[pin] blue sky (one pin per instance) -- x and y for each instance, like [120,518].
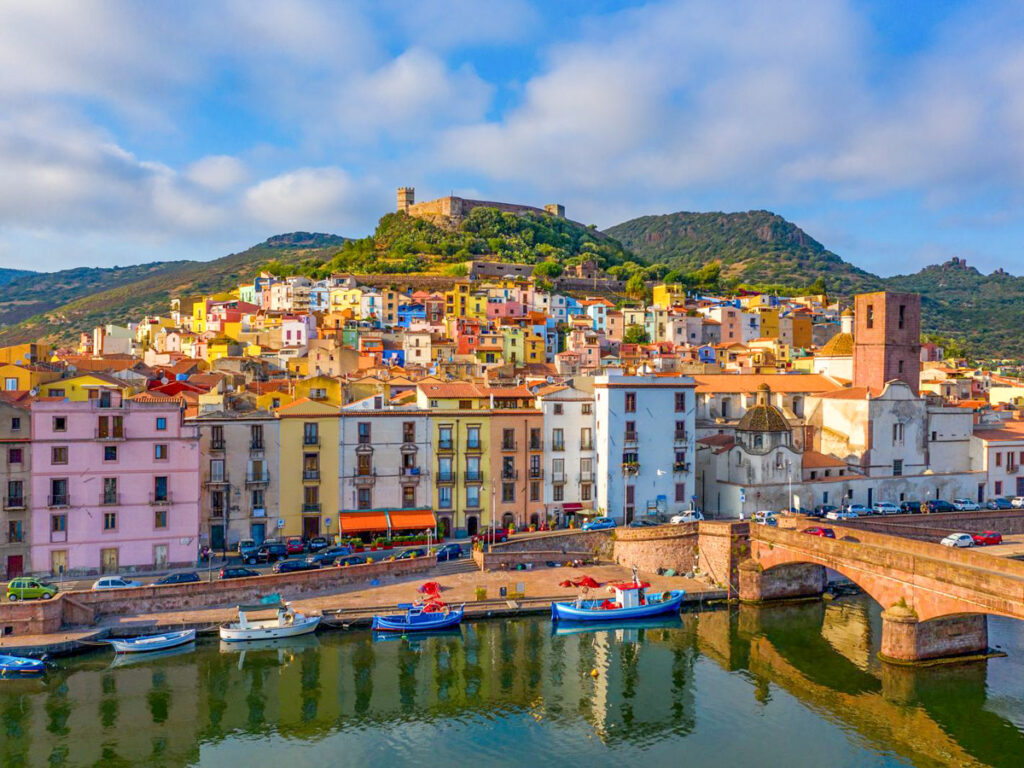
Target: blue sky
[134,131]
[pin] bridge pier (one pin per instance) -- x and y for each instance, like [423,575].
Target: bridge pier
[907,640]
[784,582]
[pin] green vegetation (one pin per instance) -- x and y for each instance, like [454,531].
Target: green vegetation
[635,334]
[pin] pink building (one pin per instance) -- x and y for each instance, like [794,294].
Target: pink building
[115,485]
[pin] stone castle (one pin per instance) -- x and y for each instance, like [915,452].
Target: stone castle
[452,210]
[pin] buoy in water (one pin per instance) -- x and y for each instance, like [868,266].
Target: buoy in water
[593,673]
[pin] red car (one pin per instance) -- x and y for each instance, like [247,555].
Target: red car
[987,537]
[817,530]
[499,535]
[295,545]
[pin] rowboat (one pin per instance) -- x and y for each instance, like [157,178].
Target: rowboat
[418,619]
[286,623]
[152,657]
[150,643]
[631,601]
[19,666]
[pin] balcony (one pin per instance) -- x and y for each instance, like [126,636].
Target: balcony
[215,479]
[536,445]
[679,436]
[256,446]
[510,474]
[160,499]
[630,468]
[586,477]
[446,446]
[559,446]
[218,445]
[409,476]
[58,500]
[311,508]
[536,473]
[558,477]
[586,445]
[681,466]
[110,499]
[508,445]
[631,437]
[476,447]
[257,478]
[311,475]
[216,511]
[12,503]
[109,434]
[446,477]
[474,477]
[311,441]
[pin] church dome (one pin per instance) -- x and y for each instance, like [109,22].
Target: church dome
[840,345]
[763,417]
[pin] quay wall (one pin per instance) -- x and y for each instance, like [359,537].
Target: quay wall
[653,549]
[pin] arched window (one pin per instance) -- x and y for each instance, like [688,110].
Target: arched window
[759,441]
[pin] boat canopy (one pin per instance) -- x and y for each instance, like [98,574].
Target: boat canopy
[253,607]
[631,585]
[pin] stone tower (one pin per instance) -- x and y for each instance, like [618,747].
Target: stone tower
[406,198]
[887,340]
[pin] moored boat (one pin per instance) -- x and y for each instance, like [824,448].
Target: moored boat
[420,618]
[286,623]
[19,666]
[150,643]
[631,600]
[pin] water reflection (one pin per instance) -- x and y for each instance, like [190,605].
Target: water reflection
[724,686]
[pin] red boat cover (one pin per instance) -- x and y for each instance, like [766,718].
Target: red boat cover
[583,581]
[631,585]
[429,588]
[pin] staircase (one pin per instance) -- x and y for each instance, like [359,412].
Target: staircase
[451,567]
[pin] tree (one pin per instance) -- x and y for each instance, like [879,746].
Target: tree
[636,287]
[547,269]
[635,334]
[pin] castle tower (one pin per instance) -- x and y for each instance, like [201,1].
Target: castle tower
[887,339]
[406,198]
[555,209]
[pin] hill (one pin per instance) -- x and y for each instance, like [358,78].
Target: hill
[56,306]
[756,247]
[7,275]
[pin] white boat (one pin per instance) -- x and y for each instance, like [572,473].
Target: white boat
[286,623]
[150,643]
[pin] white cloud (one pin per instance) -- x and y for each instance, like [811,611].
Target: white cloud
[217,172]
[455,23]
[306,199]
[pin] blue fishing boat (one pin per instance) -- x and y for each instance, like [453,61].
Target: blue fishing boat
[149,643]
[416,619]
[631,600]
[19,666]
[665,621]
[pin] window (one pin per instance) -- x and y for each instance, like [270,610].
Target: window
[364,499]
[557,440]
[473,496]
[256,437]
[680,492]
[558,410]
[444,435]
[935,435]
[473,438]
[444,469]
[900,366]
[680,402]
[110,453]
[11,384]
[110,490]
[903,315]
[159,451]
[473,474]
[14,456]
[59,454]
[217,437]
[630,431]
[508,439]
[57,393]
[311,466]
[311,498]
[58,523]
[311,433]
[444,497]
[364,432]
[15,533]
[999,459]
[364,465]
[897,434]
[897,468]
[60,424]
[409,432]
[535,439]
[110,521]
[870,317]
[508,492]
[587,408]
[15,493]
[160,518]
[408,496]
[161,423]
[16,424]
[585,491]
[160,488]
[630,402]
[257,499]
[534,491]
[558,492]
[586,439]
[999,487]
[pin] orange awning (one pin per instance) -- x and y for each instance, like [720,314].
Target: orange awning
[411,519]
[357,522]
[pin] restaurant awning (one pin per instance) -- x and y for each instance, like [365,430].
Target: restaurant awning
[571,506]
[358,522]
[411,519]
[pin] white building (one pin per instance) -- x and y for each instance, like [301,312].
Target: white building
[645,444]
[570,462]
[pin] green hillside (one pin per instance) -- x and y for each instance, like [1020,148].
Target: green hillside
[756,247]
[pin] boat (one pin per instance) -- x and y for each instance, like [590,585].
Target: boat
[630,601]
[151,657]
[19,666]
[420,618]
[150,643]
[286,623]
[665,621]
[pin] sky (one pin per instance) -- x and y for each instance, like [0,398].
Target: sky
[130,132]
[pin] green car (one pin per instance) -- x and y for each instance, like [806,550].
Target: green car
[30,589]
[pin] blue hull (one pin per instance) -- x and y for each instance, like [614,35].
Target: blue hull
[589,610]
[17,666]
[418,622]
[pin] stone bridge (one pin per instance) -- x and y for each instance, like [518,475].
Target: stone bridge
[935,599]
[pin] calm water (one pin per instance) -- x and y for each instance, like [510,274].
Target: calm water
[793,686]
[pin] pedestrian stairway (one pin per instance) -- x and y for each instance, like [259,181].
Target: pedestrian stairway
[451,567]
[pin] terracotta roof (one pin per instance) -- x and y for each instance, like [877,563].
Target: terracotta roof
[721,442]
[815,460]
[840,345]
[850,393]
[1010,430]
[713,383]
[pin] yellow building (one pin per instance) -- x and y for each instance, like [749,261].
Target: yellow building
[323,389]
[345,300]
[309,466]
[769,321]
[803,331]
[81,388]
[456,301]
[25,377]
[33,352]
[272,399]
[533,348]
[462,487]
[668,295]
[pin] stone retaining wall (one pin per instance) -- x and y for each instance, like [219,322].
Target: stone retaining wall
[498,560]
[654,549]
[39,617]
[597,543]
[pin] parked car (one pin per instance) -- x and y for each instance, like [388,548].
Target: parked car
[178,578]
[1017,502]
[885,508]
[487,535]
[295,545]
[341,562]
[326,556]
[910,507]
[765,517]
[409,554]
[268,553]
[643,522]
[998,503]
[817,530]
[987,538]
[26,588]
[823,509]
[448,552]
[115,582]
[247,548]
[940,505]
[966,505]
[842,514]
[288,566]
[799,511]
[317,543]
[237,572]
[958,540]
[598,524]
[859,510]
[690,516]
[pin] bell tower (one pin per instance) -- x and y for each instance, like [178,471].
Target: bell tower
[887,340]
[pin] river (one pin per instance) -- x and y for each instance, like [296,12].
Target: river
[794,685]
